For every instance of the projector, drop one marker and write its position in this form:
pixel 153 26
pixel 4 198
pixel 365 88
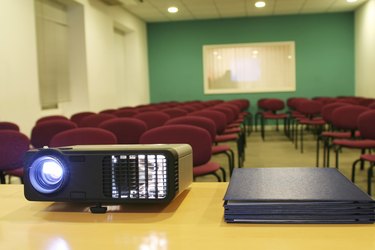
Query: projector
pixel 108 174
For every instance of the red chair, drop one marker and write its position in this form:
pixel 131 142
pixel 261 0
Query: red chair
pixel 198 138
pixel 293 115
pixel 77 117
pixel 127 130
pixel 346 118
pixel 328 134
pixel 272 108
pixel 220 122
pixel 51 117
pixel 245 115
pixel 83 136
pixel 310 111
pixel 366 122
pixel 42 132
pixel 13 146
pixel 208 125
pixel 94 120
pixel 153 119
pixel 9 126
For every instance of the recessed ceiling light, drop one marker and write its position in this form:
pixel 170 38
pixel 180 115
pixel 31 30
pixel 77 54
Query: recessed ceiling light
pixel 260 4
pixel 351 1
pixel 172 9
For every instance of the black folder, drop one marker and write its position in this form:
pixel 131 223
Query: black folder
pixel 295 195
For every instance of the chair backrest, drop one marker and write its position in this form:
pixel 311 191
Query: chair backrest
pixel 309 108
pixel 243 104
pixel 366 124
pixel 153 119
pixel 198 121
pixel 175 112
pixel 107 111
pixel 127 130
pixel 83 136
pixel 13 146
pixel 77 117
pixel 372 105
pixel 217 117
pixel 273 104
pixel 51 117
pixel 94 120
pixel 328 109
pixel 198 138
pixel 42 132
pixel 292 102
pixel 9 126
pixel 346 117
pixel 125 112
pixel 229 114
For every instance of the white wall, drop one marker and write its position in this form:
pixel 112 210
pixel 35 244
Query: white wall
pixel 365 49
pixel 19 95
pixel 100 21
pixel 92 80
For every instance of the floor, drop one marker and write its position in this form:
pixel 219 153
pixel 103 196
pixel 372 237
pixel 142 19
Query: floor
pixel 278 151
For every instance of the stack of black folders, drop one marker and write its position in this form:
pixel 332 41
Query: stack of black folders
pixel 295 195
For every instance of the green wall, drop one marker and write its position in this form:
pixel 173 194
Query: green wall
pixel 324 54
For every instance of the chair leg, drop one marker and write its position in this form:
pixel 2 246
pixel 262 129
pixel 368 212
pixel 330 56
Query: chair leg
pixel 296 136
pixel 317 151
pixel 224 174
pixel 369 178
pixel 353 169
pixel 363 151
pixel 285 120
pixel 337 152
pixel 230 155
pixel 301 138
pixel 262 121
pixel 217 176
pixel 2 178
pixel 328 150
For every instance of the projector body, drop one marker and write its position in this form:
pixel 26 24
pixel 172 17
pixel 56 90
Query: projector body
pixel 108 174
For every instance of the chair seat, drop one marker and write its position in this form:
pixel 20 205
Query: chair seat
pixel 355 143
pixel 368 157
pixel 232 130
pixel 204 169
pixel 339 135
pixel 220 148
pixel 15 172
pixel 268 115
pixel 306 121
pixel 226 137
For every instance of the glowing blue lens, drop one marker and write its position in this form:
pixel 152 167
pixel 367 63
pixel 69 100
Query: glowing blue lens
pixel 52 172
pixel 47 174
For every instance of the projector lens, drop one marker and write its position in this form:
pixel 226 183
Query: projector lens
pixel 47 174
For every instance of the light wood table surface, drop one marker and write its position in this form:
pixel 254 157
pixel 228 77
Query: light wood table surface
pixel 194 220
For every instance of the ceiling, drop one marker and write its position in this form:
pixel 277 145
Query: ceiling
pixel 156 10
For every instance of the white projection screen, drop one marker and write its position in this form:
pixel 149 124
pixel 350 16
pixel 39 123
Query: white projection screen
pixel 250 67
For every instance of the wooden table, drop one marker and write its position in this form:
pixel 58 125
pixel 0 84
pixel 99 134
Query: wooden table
pixel 194 220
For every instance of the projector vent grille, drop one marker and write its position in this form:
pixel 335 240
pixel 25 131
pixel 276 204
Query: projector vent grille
pixel 135 176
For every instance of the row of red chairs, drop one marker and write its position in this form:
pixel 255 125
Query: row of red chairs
pixel 338 122
pixel 59 131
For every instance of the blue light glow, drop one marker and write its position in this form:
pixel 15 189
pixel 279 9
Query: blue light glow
pixel 47 174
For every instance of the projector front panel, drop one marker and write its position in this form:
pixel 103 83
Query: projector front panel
pixel 117 176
